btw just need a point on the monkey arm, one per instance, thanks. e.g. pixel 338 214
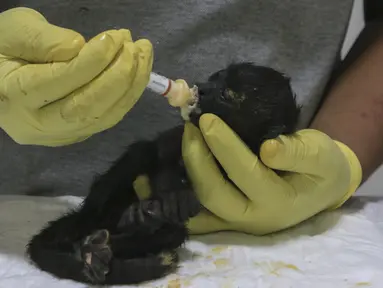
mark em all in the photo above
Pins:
pixel 73 246
pixel 54 248
pixel 112 192
pixel 172 198
pixel 353 110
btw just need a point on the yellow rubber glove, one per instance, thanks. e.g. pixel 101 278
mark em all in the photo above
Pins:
pixel 55 89
pixel 322 174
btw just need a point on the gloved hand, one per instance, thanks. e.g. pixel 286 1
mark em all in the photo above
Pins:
pixel 321 174
pixel 55 89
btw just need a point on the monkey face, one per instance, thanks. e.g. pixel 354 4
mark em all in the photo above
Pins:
pixel 256 102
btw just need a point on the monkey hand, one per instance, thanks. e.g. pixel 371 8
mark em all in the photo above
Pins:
pixel 55 89
pixel 319 174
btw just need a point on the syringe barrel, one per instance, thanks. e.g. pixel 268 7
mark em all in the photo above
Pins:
pixel 159 84
pixel 177 92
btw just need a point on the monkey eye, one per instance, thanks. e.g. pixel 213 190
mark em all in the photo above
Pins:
pixel 222 95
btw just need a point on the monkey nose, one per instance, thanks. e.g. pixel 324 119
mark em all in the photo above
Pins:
pixel 206 89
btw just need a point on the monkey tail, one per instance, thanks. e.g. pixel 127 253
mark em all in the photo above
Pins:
pixel 137 270
pixel 53 250
pixel 61 259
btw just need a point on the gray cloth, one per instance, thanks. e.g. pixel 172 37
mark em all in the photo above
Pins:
pixel 191 39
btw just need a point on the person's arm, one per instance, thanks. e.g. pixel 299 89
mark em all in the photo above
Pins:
pixel 353 110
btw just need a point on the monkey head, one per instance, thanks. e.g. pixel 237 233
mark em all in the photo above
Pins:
pixel 256 102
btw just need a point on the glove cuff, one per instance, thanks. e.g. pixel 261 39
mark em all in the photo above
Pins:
pixel 355 173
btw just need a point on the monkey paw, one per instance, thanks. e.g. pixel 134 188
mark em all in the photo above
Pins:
pixel 96 254
pixel 179 206
pixel 174 207
pixel 144 215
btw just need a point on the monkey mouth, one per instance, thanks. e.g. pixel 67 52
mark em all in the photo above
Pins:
pixel 192 107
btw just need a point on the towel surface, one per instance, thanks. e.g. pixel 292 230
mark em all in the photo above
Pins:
pixel 340 249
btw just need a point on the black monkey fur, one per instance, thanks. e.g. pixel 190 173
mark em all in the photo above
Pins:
pixel 113 238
